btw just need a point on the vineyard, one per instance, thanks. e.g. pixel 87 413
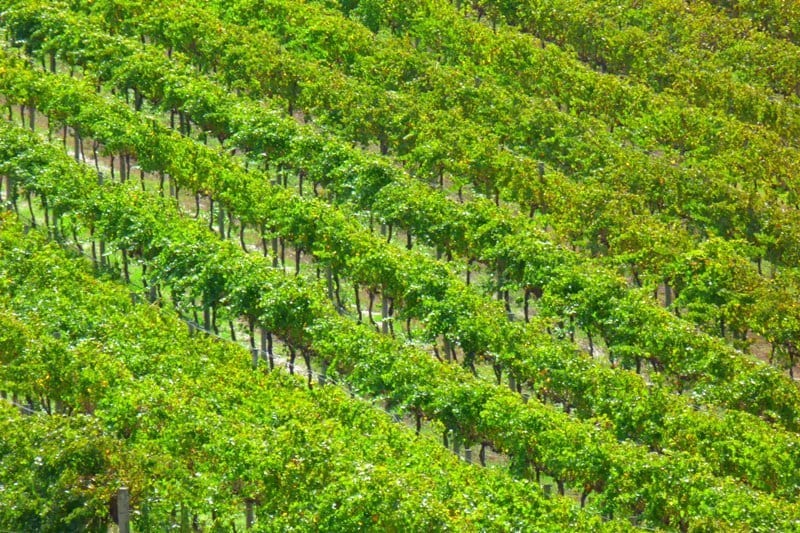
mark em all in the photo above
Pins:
pixel 281 265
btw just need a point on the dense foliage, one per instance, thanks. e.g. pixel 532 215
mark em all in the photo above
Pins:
pixel 609 223
pixel 130 397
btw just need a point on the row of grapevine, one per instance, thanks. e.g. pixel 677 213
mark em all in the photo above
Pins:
pixel 730 310
pixel 130 397
pixel 695 52
pixel 777 17
pixel 294 77
pixel 576 390
pixel 712 468
pixel 738 213
pixel 218 109
pixel 181 255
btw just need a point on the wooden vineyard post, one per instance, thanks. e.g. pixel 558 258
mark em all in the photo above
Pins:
pixel 249 514
pixel 123 510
